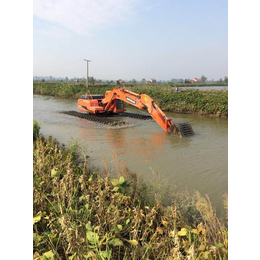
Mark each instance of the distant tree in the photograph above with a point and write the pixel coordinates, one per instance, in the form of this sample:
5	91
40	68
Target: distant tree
66	79
226	79
118	82
186	81
203	78
43	80
143	80
220	80
134	81
91	80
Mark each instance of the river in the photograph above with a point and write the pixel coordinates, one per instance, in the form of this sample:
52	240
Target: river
205	87
198	162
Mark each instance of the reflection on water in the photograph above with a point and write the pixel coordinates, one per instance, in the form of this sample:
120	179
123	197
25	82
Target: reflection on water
198	162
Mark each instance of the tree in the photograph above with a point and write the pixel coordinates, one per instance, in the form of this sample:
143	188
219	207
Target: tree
143	80
226	79
91	80
134	81
203	78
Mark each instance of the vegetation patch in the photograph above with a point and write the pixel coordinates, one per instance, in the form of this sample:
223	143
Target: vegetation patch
206	102
84	214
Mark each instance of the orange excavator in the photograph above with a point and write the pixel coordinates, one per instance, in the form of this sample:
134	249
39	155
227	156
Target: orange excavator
113	103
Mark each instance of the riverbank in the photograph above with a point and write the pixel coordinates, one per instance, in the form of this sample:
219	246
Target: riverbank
191	101
85	214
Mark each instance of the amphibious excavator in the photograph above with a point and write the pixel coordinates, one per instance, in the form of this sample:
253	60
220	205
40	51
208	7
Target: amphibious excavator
113	103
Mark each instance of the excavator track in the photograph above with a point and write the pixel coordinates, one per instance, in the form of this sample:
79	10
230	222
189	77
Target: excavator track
95	118
179	129
135	115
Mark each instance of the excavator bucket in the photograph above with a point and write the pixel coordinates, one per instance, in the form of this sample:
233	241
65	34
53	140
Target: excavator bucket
181	129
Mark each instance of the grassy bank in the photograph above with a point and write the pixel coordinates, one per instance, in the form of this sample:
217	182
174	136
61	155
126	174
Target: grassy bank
207	102
85	214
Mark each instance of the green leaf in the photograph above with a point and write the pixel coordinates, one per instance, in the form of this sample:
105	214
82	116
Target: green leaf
183	232
119	227
116	189
115	182
37	219
106	254
55	173
121	180
219	245
116	242
127	221
133	242
47	256
88	226
92	237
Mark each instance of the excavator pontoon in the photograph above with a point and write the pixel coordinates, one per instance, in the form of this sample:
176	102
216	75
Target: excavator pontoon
113	103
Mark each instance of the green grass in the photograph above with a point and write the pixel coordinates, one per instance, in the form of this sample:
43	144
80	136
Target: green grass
207	102
84	214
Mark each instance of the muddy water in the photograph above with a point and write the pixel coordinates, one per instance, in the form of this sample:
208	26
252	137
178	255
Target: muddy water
199	162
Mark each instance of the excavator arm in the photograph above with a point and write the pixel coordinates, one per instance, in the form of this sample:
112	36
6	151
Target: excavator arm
143	101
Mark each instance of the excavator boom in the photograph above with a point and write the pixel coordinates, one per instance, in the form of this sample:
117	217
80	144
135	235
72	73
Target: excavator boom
142	101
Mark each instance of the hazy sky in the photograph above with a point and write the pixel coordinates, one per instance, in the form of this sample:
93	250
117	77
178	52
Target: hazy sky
126	39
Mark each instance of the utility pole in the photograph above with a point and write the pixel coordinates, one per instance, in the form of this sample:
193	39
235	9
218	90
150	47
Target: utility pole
87	71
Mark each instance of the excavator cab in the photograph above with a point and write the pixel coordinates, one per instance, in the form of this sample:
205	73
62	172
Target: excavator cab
93	104
90	103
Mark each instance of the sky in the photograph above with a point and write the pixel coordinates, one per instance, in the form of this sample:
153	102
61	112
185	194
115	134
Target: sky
131	39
